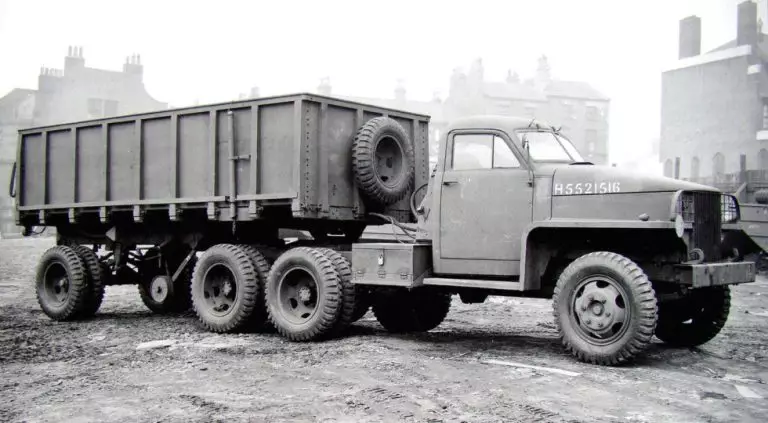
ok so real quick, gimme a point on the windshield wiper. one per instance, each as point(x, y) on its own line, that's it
point(581, 163)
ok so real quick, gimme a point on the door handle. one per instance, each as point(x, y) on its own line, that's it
point(448, 183)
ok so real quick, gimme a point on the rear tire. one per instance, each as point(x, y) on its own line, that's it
point(694, 319)
point(304, 295)
point(259, 318)
point(347, 290)
point(604, 308)
point(225, 288)
point(61, 284)
point(96, 277)
point(420, 310)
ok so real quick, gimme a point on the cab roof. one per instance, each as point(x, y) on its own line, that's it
point(505, 123)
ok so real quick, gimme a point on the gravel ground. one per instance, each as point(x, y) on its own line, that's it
point(93, 371)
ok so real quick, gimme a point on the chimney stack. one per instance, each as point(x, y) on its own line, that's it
point(690, 37)
point(325, 86)
point(746, 29)
point(400, 91)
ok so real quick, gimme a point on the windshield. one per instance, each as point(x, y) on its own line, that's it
point(550, 147)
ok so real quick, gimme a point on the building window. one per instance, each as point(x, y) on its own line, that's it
point(765, 114)
point(668, 168)
point(694, 168)
point(718, 166)
point(762, 159)
point(591, 147)
point(592, 113)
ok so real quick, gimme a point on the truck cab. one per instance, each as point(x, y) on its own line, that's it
point(513, 209)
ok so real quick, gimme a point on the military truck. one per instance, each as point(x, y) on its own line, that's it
point(192, 205)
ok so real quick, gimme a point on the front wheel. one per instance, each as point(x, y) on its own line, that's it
point(695, 318)
point(604, 308)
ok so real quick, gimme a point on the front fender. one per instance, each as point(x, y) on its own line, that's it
point(529, 264)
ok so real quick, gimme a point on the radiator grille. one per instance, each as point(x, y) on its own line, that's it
point(703, 210)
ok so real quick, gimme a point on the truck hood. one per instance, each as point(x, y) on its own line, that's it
point(608, 180)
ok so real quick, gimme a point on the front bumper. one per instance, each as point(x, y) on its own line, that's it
point(713, 274)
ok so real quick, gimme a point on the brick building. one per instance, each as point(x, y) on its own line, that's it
point(714, 105)
point(74, 93)
point(580, 109)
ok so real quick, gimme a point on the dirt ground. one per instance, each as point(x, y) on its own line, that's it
point(92, 371)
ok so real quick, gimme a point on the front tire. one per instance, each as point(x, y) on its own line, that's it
point(695, 318)
point(604, 308)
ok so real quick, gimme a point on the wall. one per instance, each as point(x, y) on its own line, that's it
point(707, 109)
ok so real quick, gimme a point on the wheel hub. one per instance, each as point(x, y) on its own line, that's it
point(159, 288)
point(304, 294)
point(599, 309)
point(297, 291)
point(220, 289)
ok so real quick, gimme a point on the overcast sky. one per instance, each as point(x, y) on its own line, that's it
point(210, 51)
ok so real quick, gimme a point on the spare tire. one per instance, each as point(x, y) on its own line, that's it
point(383, 160)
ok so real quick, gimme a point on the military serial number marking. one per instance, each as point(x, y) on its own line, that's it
point(583, 188)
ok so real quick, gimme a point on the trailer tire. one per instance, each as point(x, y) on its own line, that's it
point(383, 160)
point(304, 295)
point(420, 310)
point(694, 319)
point(97, 278)
point(61, 283)
point(178, 294)
point(225, 288)
point(604, 308)
point(347, 288)
point(259, 318)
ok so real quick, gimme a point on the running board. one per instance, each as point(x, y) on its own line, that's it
point(475, 283)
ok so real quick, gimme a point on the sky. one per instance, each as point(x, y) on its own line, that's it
point(209, 51)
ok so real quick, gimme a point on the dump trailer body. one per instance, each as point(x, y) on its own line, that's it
point(234, 160)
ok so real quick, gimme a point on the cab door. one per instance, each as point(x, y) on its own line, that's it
point(485, 204)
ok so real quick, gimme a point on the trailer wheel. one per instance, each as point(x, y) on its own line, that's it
point(420, 310)
point(157, 291)
point(347, 289)
point(604, 308)
point(61, 283)
point(97, 278)
point(303, 295)
point(225, 288)
point(694, 319)
point(259, 318)
point(383, 160)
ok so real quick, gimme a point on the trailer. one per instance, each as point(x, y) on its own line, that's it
point(252, 213)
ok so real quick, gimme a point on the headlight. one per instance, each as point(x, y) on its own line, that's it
point(729, 209)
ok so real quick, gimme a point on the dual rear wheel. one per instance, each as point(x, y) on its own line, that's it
point(306, 295)
point(69, 282)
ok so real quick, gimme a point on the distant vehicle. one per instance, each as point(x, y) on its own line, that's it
point(511, 208)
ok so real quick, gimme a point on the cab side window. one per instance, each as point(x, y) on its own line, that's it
point(481, 151)
point(502, 156)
